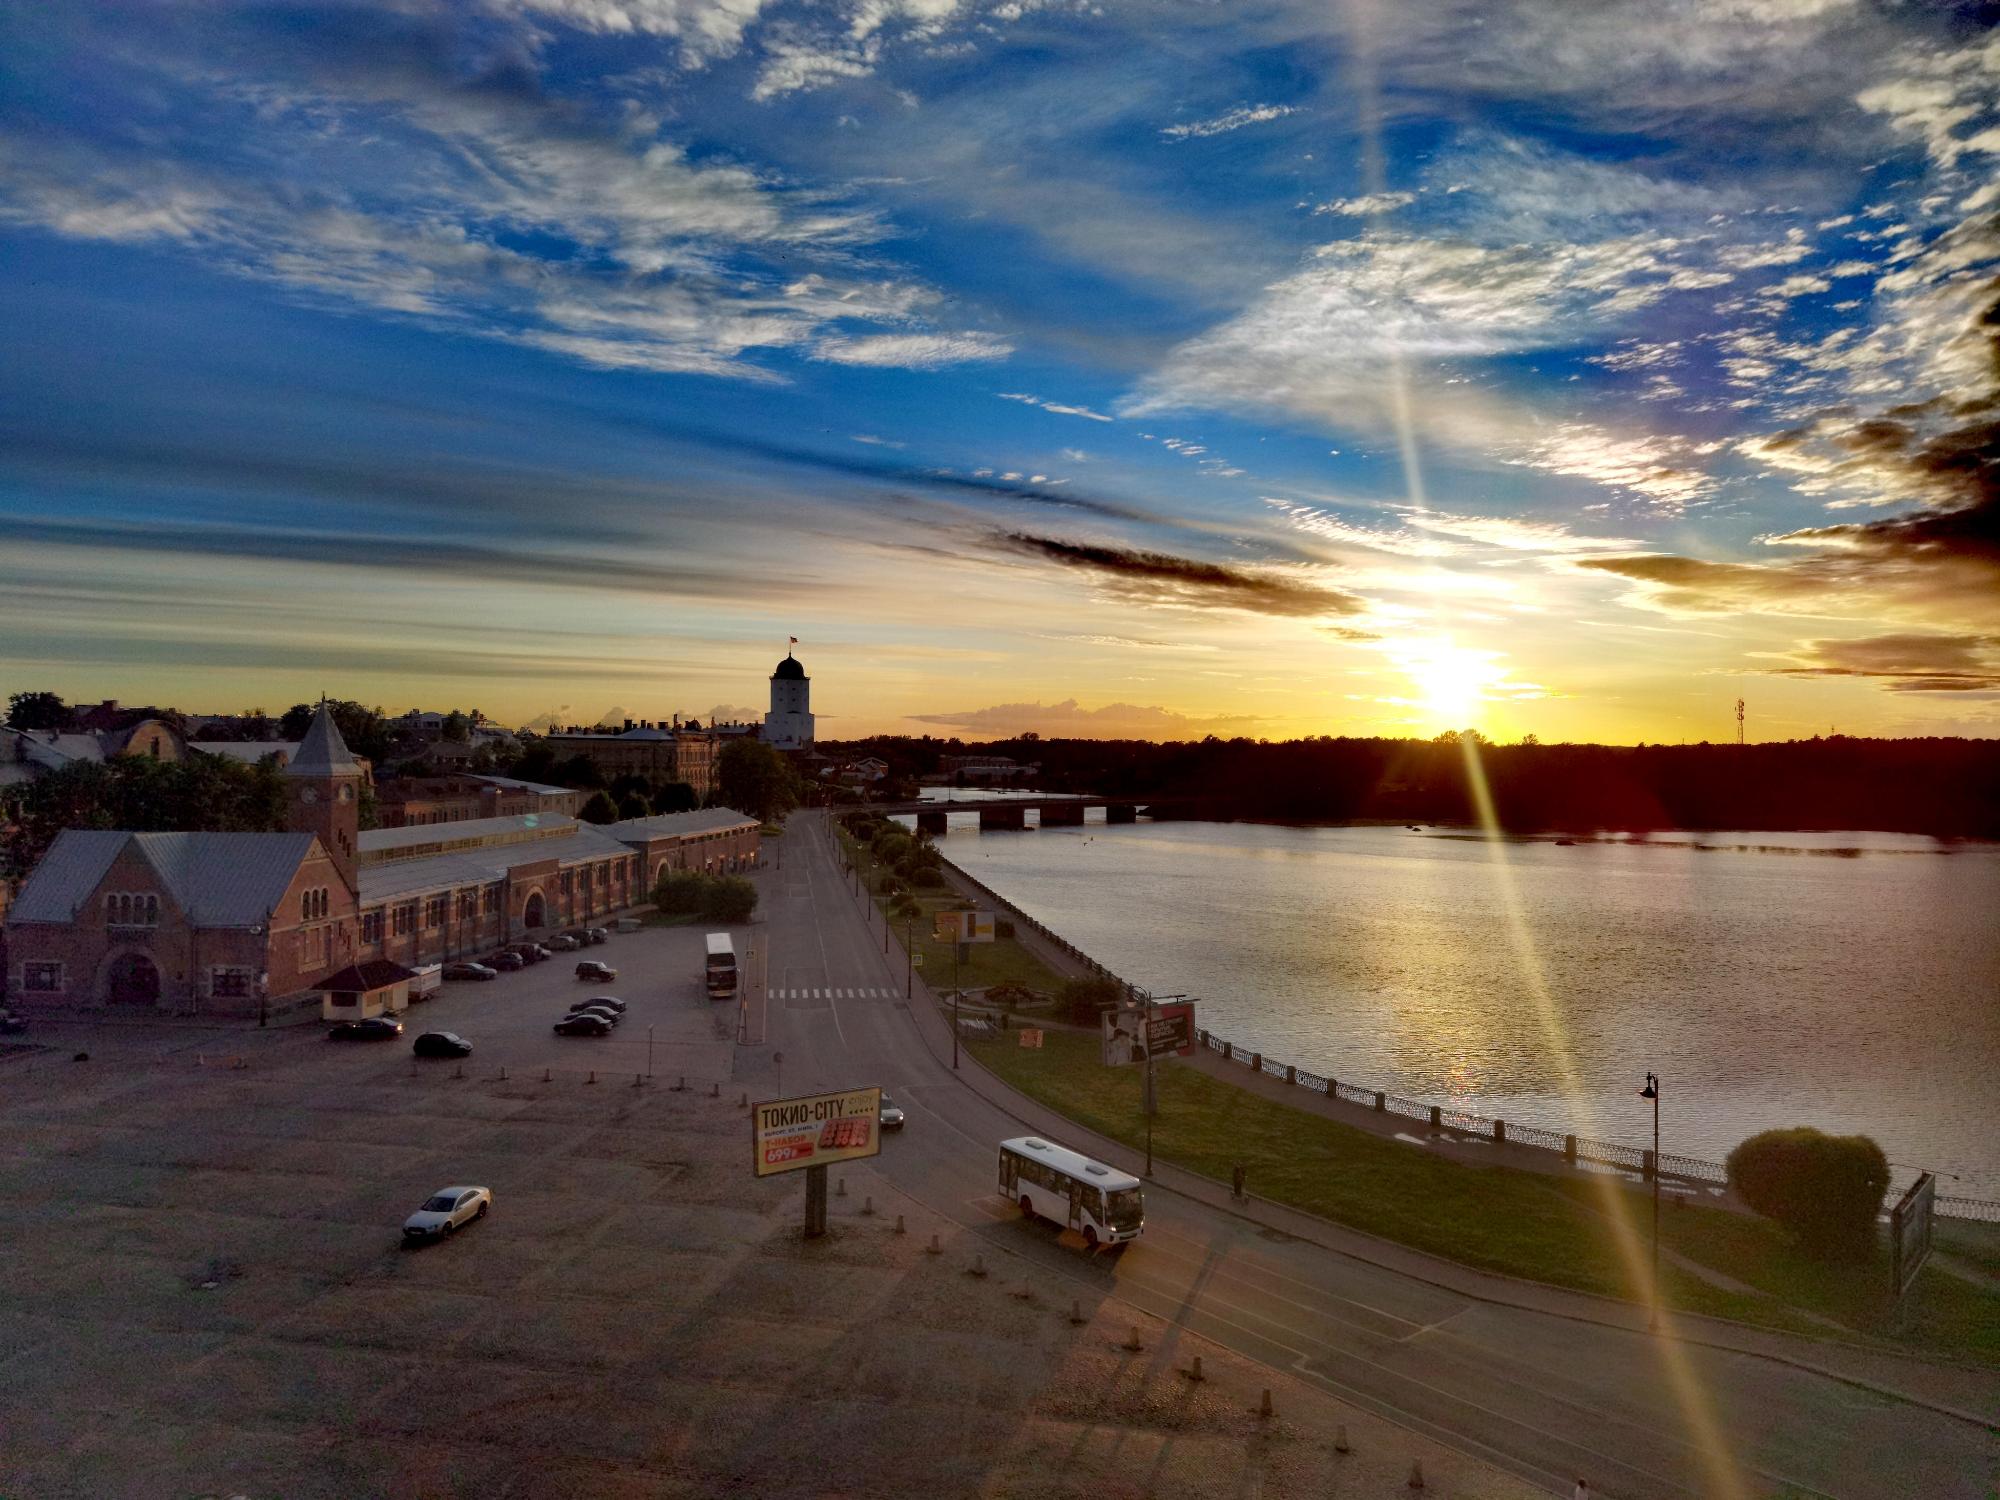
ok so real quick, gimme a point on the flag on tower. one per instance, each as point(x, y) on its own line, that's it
point(794, 640)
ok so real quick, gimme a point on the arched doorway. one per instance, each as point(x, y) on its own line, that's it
point(535, 913)
point(132, 979)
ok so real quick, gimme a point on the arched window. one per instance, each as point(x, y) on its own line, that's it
point(306, 906)
point(152, 911)
point(124, 910)
point(110, 908)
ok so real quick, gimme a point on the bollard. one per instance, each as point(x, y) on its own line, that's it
point(1132, 1340)
point(593, 1076)
point(1194, 1373)
point(1256, 1062)
point(867, 1208)
point(638, 1080)
point(1340, 1439)
point(1381, 1102)
point(1416, 1473)
point(1437, 1117)
point(1228, 1051)
point(1236, 1181)
point(743, 1101)
point(1569, 1149)
point(1499, 1132)
point(840, 1187)
point(934, 1248)
point(1264, 1407)
point(545, 1076)
point(715, 1091)
point(1648, 1166)
point(459, 1071)
point(1291, 1073)
point(1076, 1311)
point(979, 1266)
point(1333, 1088)
point(681, 1087)
point(503, 1072)
point(899, 1223)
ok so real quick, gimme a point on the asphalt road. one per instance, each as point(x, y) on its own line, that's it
point(1540, 1395)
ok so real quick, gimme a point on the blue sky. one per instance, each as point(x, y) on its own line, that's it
point(1094, 368)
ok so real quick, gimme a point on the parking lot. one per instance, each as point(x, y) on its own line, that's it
point(202, 1289)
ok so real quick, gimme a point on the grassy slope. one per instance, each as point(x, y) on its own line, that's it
point(1541, 1227)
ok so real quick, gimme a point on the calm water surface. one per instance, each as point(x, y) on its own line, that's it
point(1847, 980)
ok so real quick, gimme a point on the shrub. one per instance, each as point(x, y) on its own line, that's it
point(599, 809)
point(679, 892)
point(888, 885)
point(1084, 999)
point(1002, 928)
point(728, 898)
point(928, 880)
point(1824, 1189)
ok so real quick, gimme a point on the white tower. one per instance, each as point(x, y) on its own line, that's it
point(789, 724)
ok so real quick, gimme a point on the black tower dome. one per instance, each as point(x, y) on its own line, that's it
point(790, 668)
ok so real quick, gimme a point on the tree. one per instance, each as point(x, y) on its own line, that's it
point(728, 898)
point(366, 732)
point(599, 809)
point(632, 805)
point(205, 793)
point(1825, 1189)
point(674, 797)
point(457, 728)
point(755, 779)
point(1083, 1000)
point(38, 711)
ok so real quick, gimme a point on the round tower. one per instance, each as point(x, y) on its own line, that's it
point(789, 724)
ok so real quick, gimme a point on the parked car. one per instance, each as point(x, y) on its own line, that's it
point(11, 1024)
point(373, 1029)
point(586, 1023)
point(599, 973)
point(441, 1044)
point(445, 1210)
point(506, 960)
point(603, 1012)
point(603, 1002)
point(892, 1114)
point(532, 953)
point(598, 934)
point(470, 971)
point(562, 942)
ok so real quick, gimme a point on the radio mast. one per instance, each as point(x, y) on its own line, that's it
point(1739, 721)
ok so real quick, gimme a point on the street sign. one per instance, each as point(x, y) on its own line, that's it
point(1129, 1035)
point(964, 927)
point(816, 1130)
point(1910, 1232)
point(1031, 1036)
point(917, 960)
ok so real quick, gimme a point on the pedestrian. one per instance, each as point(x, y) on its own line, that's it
point(1582, 1490)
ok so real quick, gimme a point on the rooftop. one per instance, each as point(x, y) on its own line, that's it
point(217, 879)
point(681, 824)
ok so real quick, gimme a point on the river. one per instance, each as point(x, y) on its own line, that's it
point(1845, 980)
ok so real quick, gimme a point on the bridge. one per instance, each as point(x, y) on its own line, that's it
point(1012, 812)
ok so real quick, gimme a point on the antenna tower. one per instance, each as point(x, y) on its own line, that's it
point(1739, 721)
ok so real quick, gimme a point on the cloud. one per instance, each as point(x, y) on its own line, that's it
point(705, 28)
point(913, 351)
point(1927, 663)
point(1422, 532)
point(1367, 205)
point(1161, 579)
point(1070, 720)
point(1057, 407)
point(1234, 119)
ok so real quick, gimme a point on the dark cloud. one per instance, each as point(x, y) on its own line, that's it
point(1911, 663)
point(1185, 582)
point(1069, 720)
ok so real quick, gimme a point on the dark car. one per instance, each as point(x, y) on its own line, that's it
point(441, 1044)
point(587, 1024)
point(470, 971)
point(598, 934)
point(11, 1024)
point(374, 1029)
point(603, 1002)
point(603, 1013)
point(506, 959)
point(532, 953)
point(597, 973)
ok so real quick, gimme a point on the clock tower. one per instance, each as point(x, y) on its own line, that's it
point(323, 794)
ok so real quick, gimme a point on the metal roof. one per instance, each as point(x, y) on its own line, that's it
point(467, 831)
point(248, 751)
point(528, 786)
point(216, 879)
point(681, 824)
point(323, 752)
point(481, 864)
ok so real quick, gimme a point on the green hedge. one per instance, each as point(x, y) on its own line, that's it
point(1825, 1189)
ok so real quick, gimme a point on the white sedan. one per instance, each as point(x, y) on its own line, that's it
point(445, 1210)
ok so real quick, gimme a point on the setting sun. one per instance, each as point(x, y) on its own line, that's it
point(1451, 680)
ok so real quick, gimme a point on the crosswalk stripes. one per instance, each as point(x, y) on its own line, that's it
point(865, 992)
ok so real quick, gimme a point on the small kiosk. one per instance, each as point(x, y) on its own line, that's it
point(376, 988)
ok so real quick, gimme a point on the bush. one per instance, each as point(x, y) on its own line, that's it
point(1084, 999)
point(599, 809)
point(1002, 928)
point(714, 898)
point(1825, 1189)
point(888, 885)
point(679, 892)
point(928, 880)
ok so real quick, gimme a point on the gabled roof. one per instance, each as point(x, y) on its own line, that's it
point(323, 752)
point(216, 879)
point(376, 974)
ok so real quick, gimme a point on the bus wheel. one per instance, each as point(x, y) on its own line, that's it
point(1089, 1237)
point(1027, 1208)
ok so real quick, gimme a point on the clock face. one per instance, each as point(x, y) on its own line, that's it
point(308, 794)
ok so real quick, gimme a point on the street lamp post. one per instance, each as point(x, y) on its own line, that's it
point(1652, 1091)
point(954, 1007)
point(909, 959)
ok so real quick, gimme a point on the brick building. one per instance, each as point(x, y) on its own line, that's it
point(224, 923)
point(650, 750)
point(415, 801)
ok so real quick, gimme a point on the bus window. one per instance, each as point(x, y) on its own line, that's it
point(1127, 1209)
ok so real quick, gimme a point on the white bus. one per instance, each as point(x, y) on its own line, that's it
point(1104, 1205)
point(721, 968)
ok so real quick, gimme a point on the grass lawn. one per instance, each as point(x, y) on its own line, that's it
point(1544, 1228)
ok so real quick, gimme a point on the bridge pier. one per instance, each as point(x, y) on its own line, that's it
point(1062, 815)
point(1002, 815)
point(932, 823)
point(1120, 812)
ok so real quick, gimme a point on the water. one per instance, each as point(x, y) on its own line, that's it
point(1848, 980)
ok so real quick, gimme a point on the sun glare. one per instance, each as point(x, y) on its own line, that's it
point(1451, 681)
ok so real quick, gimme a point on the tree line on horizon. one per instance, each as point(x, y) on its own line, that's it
point(1943, 787)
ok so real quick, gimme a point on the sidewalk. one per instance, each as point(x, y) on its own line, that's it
point(1968, 1393)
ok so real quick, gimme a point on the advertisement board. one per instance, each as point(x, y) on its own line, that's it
point(1128, 1036)
point(964, 927)
point(1031, 1036)
point(1910, 1232)
point(815, 1131)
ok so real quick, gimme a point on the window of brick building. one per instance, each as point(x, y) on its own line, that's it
point(228, 984)
point(42, 978)
point(371, 927)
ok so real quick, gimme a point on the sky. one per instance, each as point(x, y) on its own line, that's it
point(1104, 367)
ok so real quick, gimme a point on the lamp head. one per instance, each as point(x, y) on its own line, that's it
point(1652, 1088)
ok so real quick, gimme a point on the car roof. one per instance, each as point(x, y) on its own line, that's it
point(464, 1187)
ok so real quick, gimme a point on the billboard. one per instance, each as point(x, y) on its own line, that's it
point(1031, 1036)
point(816, 1131)
point(1910, 1231)
point(964, 927)
point(1128, 1036)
